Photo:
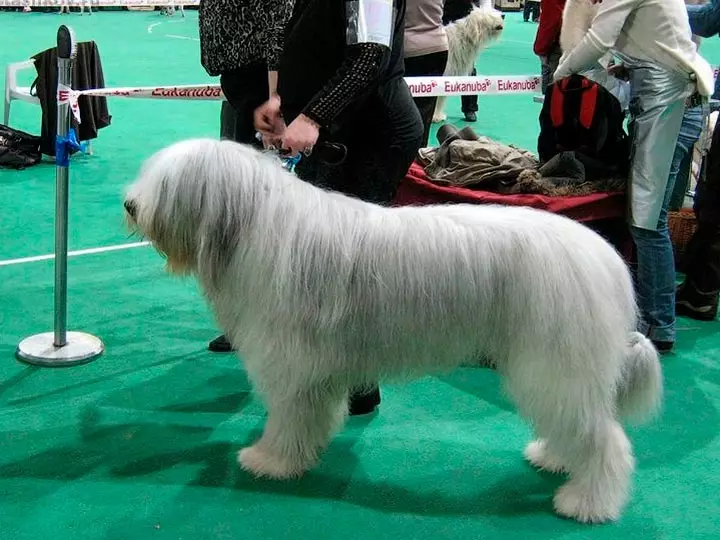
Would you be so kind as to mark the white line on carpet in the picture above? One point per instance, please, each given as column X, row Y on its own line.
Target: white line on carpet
column 182, row 37
column 152, row 26
column 77, row 253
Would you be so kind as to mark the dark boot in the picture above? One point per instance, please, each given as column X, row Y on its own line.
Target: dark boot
column 695, row 304
column 364, row 402
column 220, row 344
column 664, row 347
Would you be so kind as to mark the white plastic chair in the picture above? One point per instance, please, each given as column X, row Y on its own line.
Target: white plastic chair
column 15, row 92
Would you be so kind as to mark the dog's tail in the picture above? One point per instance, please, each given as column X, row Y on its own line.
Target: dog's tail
column 640, row 388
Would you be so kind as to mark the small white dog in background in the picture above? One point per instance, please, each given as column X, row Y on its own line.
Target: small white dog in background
column 321, row 293
column 467, row 37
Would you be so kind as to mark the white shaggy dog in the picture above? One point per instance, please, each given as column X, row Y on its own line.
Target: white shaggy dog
column 322, row 293
column 467, row 37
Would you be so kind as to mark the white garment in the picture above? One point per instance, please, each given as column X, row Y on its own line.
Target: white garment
column 648, row 30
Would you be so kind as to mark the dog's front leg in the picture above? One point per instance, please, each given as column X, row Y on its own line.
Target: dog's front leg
column 439, row 113
column 299, row 426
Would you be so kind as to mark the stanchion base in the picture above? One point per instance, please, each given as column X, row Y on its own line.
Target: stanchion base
column 40, row 350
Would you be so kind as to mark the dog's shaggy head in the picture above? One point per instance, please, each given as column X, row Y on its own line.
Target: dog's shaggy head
column 483, row 25
column 192, row 199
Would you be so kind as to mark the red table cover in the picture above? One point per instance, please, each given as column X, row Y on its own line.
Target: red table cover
column 417, row 189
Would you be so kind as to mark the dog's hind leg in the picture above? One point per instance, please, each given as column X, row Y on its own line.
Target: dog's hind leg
column 298, row 427
column 571, row 408
column 600, row 461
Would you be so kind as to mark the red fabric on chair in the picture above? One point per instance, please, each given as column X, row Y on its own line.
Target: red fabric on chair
column 417, row 189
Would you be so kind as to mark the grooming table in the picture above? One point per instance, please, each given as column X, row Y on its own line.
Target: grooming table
column 603, row 212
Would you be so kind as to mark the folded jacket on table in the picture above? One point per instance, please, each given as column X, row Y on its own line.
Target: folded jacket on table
column 488, row 165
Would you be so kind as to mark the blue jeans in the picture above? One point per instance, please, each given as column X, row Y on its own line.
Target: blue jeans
column 655, row 260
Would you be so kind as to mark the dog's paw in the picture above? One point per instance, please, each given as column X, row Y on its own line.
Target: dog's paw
column 264, row 465
column 538, row 455
column 439, row 117
column 585, row 506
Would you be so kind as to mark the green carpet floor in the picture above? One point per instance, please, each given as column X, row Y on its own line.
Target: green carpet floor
column 141, row 443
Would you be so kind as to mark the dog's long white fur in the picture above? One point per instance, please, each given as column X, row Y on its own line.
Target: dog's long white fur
column 322, row 293
column 577, row 19
column 467, row 37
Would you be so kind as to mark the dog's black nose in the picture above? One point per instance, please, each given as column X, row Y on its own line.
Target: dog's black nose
column 130, row 208
column 503, row 16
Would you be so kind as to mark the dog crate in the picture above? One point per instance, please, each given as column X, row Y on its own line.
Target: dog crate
column 508, row 5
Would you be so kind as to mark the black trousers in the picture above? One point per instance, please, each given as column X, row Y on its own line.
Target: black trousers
column 426, row 65
column 245, row 89
column 382, row 140
column 370, row 172
column 531, row 8
column 470, row 102
column 702, row 259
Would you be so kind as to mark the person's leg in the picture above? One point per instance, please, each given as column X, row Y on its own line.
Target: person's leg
column 338, row 177
column 549, row 68
column 372, row 171
column 655, row 258
column 470, row 103
column 228, row 121
column 341, row 177
column 682, row 181
column 546, row 74
column 426, row 66
column 655, row 279
column 245, row 89
column 526, row 11
column 697, row 297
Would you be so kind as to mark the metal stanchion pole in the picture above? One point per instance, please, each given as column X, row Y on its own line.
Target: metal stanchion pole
column 60, row 347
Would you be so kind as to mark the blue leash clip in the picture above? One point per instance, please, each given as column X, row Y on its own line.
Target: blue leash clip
column 290, row 162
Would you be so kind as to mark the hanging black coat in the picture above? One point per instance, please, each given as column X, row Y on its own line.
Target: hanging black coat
column 87, row 74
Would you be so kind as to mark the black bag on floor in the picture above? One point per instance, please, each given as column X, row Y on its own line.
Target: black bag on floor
column 18, row 149
column 581, row 115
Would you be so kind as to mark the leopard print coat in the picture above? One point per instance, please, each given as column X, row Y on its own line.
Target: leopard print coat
column 235, row 33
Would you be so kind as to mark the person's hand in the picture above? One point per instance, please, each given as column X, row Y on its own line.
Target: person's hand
column 300, row 136
column 268, row 120
column 273, row 142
